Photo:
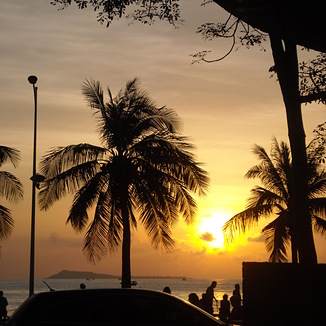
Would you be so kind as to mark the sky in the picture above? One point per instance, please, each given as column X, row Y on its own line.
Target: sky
column 225, row 107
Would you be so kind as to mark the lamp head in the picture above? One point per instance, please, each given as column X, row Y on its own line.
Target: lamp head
column 32, row 79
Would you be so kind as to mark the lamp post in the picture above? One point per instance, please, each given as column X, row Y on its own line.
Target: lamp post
column 33, row 80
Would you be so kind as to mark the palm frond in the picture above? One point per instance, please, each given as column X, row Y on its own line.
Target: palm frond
column 96, row 240
column 157, row 227
column 317, row 184
column 319, row 224
column 262, row 196
column 6, row 223
column 84, row 199
column 171, row 154
column 318, row 206
column 60, row 159
column 281, row 156
column 270, row 174
column 10, row 187
column 51, row 190
column 66, row 169
column 245, row 220
column 9, row 154
column 277, row 238
column 93, row 94
column 186, row 204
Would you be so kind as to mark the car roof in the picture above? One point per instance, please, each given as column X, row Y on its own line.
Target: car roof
column 56, row 295
column 37, row 302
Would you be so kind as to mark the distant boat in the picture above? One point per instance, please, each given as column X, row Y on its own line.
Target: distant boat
column 132, row 282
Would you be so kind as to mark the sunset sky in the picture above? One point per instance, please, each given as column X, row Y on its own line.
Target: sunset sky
column 226, row 108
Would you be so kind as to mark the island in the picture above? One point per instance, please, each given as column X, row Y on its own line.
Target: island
column 65, row 274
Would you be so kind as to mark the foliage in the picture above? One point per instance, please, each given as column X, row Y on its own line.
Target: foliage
column 144, row 172
column 145, row 11
column 274, row 197
column 320, row 142
column 232, row 28
column 10, row 189
column 313, row 79
column 312, row 72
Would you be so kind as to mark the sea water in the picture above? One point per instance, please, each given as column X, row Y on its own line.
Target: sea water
column 17, row 291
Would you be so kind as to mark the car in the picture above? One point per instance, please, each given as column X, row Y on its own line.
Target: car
column 123, row 307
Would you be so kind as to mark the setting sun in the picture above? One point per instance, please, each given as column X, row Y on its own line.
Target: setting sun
column 208, row 230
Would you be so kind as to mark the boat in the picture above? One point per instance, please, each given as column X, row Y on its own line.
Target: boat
column 132, row 283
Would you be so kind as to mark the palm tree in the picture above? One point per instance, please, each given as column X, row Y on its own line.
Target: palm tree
column 10, row 188
column 144, row 172
column 275, row 199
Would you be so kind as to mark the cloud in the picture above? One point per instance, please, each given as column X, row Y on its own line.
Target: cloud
column 207, row 236
column 56, row 239
column 259, row 238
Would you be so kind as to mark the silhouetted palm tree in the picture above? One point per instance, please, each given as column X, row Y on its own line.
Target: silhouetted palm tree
column 11, row 189
column 145, row 171
column 274, row 198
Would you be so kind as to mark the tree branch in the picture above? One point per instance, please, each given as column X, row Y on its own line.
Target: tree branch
column 321, row 97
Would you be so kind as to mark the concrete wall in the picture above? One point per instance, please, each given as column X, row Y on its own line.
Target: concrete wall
column 284, row 294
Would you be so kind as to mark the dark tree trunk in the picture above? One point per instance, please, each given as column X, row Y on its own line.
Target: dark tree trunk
column 126, row 244
column 126, row 237
column 286, row 64
column 294, row 246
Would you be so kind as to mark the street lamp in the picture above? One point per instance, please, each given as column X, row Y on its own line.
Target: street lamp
column 33, row 80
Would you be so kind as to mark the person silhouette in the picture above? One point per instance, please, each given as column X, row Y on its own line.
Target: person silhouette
column 194, row 299
column 3, row 307
column 224, row 312
column 210, row 297
column 236, row 291
column 167, row 290
column 203, row 302
column 237, row 310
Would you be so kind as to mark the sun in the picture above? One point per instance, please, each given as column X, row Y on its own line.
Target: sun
column 208, row 230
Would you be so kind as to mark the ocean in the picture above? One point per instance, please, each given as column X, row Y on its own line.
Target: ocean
column 17, row 291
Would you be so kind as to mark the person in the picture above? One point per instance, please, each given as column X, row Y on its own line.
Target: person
column 224, row 312
column 194, row 299
column 236, row 291
column 203, row 302
column 82, row 286
column 167, row 290
column 237, row 310
column 3, row 307
column 210, row 297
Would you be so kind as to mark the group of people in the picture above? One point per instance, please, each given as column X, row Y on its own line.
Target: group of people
column 228, row 309
column 3, row 307
column 225, row 312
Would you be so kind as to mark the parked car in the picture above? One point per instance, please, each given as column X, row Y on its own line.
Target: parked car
column 109, row 307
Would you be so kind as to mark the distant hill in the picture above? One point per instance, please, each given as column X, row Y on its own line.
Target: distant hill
column 65, row 274
column 80, row 275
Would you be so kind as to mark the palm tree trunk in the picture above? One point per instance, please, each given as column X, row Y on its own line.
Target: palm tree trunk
column 286, row 63
column 123, row 185
column 126, row 244
column 294, row 246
